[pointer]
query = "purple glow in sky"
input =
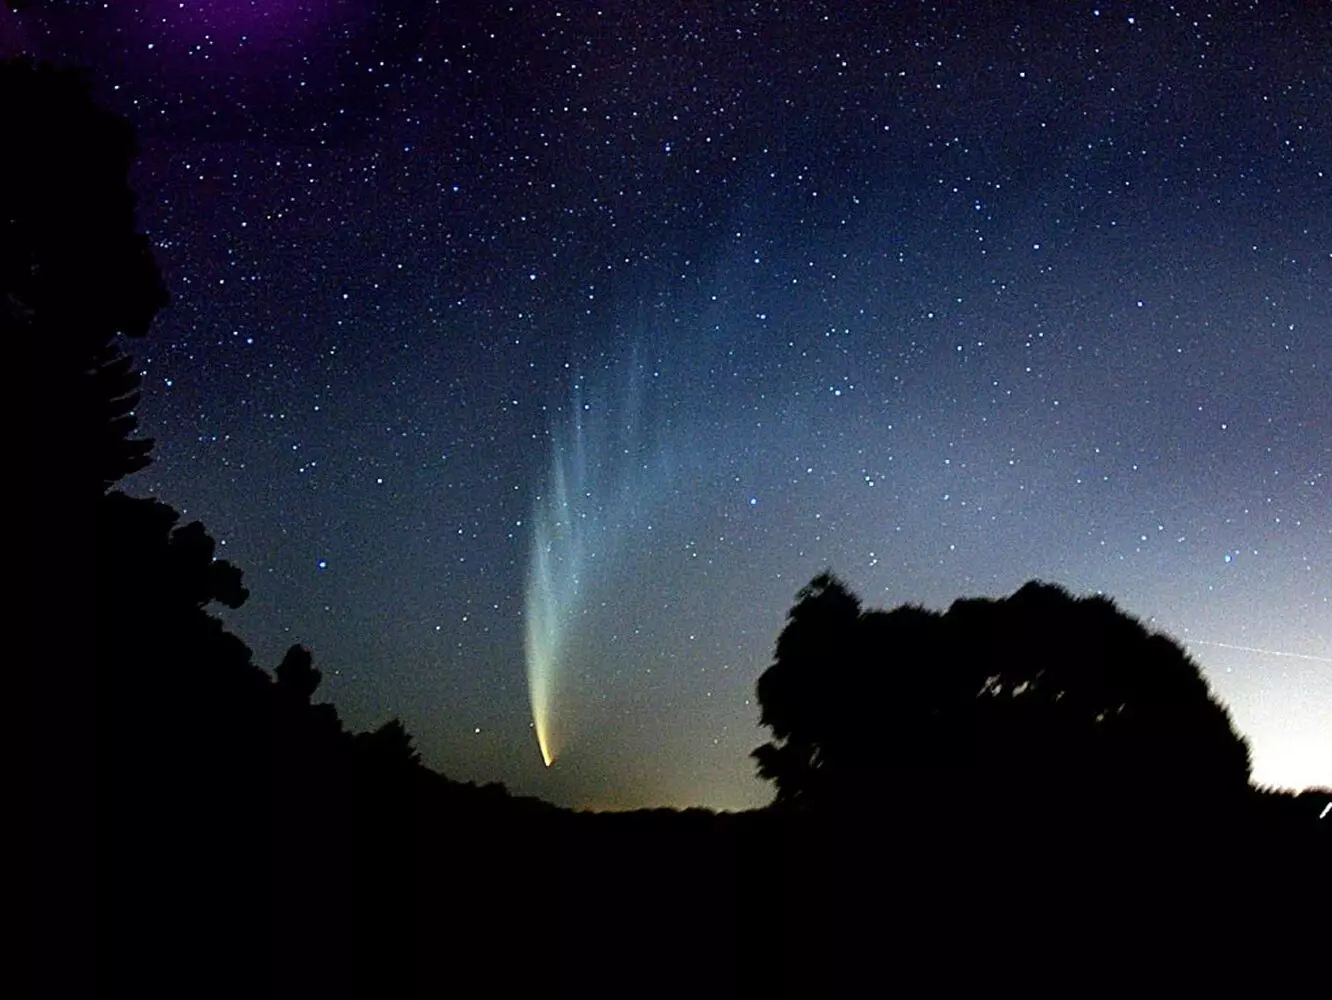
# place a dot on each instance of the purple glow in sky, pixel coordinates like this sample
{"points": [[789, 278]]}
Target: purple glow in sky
{"points": [[266, 24]]}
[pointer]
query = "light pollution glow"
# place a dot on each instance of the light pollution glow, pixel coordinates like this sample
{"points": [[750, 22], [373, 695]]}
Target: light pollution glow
{"points": [[601, 478]]}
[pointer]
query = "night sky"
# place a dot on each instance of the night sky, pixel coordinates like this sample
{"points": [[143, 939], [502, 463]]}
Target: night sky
{"points": [[627, 319]]}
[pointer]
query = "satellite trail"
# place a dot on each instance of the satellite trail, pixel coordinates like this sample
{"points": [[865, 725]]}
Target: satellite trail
{"points": [[1264, 652]]}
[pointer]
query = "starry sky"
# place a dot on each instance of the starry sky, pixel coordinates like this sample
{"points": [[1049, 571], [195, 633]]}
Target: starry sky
{"points": [[702, 299]]}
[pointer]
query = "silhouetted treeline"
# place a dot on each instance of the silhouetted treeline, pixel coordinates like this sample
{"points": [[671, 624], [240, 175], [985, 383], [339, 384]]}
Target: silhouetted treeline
{"points": [[217, 782], [1033, 794], [194, 819]]}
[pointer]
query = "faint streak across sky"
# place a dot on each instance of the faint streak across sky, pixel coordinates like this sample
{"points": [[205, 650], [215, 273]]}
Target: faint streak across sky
{"points": [[1264, 652]]}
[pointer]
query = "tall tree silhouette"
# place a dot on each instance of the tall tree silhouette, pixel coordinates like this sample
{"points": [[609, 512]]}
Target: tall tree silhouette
{"points": [[1037, 692], [75, 273], [74, 276]]}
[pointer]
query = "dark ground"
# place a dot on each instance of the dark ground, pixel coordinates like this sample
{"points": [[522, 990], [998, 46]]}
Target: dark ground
{"points": [[422, 887]]}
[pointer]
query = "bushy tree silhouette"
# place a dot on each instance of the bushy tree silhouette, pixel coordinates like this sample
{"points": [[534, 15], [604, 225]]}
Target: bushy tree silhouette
{"points": [[1038, 789], [1035, 694], [296, 674], [390, 745], [799, 694]]}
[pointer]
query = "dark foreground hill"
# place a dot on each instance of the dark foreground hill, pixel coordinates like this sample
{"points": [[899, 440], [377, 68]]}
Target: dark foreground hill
{"points": [[248, 844], [412, 885]]}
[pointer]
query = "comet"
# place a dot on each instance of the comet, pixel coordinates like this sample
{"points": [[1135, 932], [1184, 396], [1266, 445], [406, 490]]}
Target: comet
{"points": [[605, 473], [553, 577], [538, 675], [554, 581]]}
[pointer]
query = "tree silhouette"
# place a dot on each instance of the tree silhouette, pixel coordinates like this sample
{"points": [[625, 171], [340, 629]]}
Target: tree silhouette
{"points": [[1031, 694], [297, 675], [389, 746], [75, 274], [178, 762], [798, 694]]}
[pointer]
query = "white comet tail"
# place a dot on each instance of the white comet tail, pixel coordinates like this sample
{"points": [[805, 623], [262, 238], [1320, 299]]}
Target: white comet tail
{"points": [[602, 477]]}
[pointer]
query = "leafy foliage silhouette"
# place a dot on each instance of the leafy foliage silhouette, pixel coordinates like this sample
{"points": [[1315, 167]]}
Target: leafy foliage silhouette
{"points": [[1036, 694]]}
